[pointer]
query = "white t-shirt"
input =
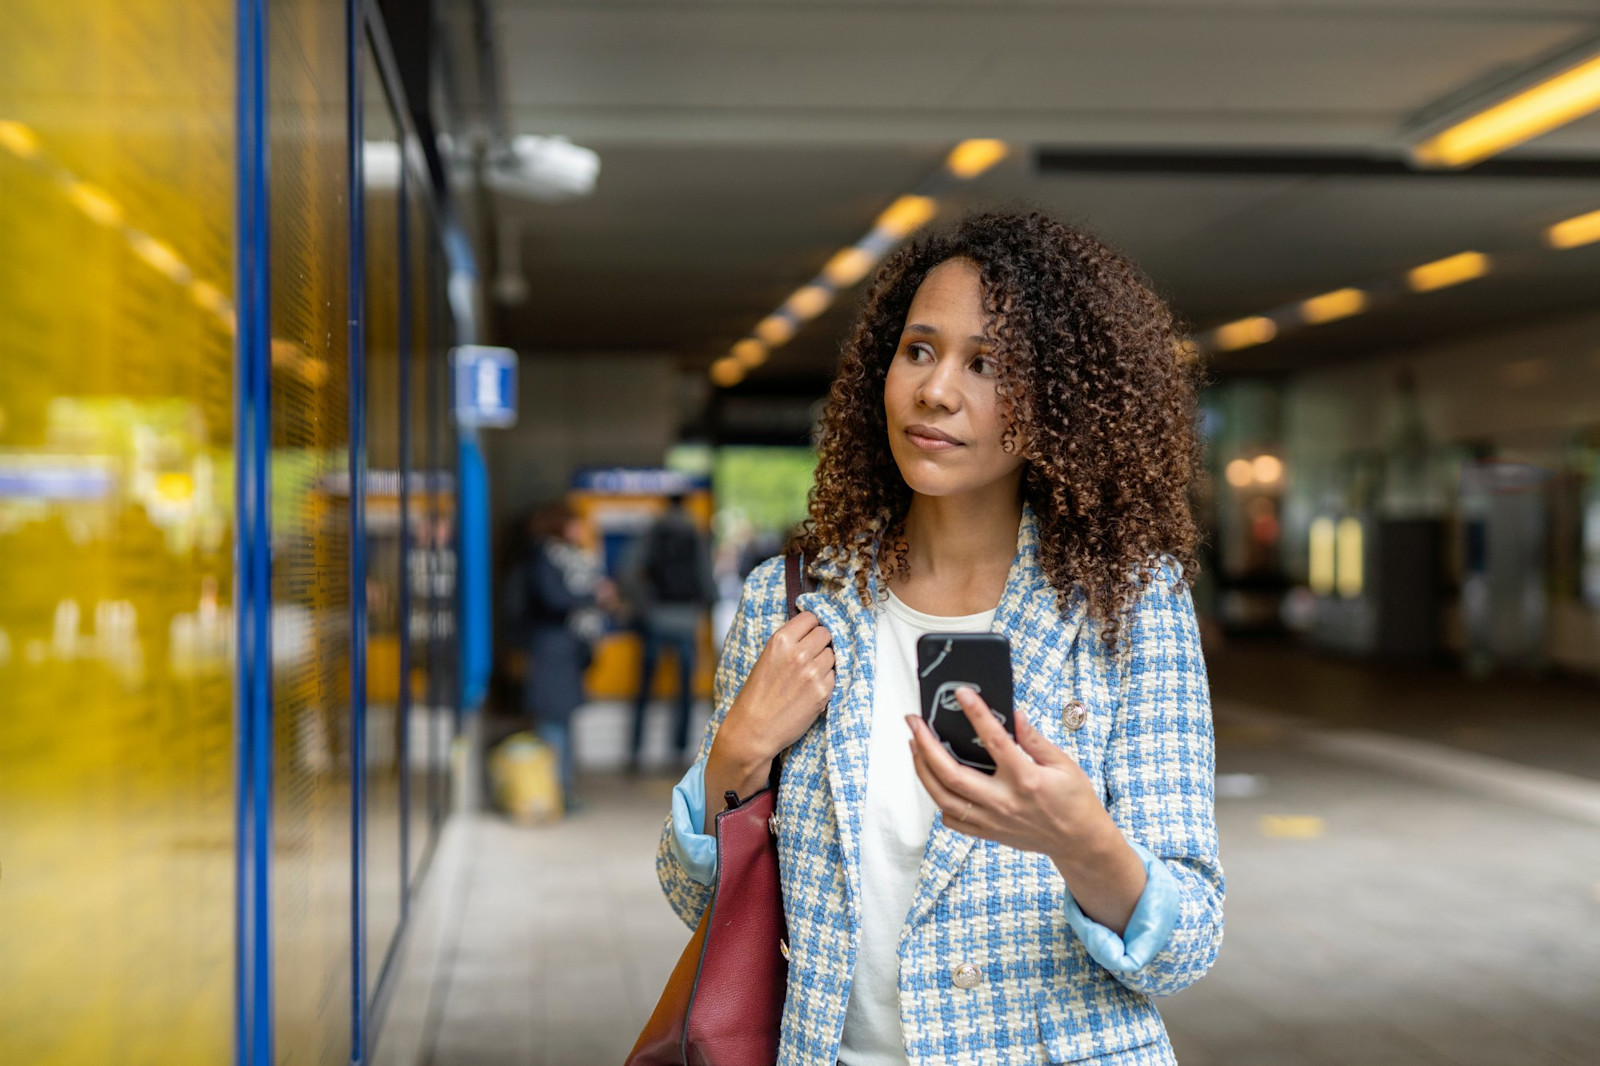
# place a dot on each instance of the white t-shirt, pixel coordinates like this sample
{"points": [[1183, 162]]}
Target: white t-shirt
{"points": [[895, 823]]}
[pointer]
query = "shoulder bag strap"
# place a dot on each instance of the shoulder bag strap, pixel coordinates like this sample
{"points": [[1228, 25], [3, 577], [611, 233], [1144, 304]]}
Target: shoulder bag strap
{"points": [[796, 582]]}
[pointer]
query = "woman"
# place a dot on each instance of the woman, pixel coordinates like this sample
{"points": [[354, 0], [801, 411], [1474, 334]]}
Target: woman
{"points": [[556, 598], [1007, 447]]}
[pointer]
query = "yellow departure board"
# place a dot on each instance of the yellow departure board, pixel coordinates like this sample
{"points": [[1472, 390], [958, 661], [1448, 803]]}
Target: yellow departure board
{"points": [[308, 144], [116, 538]]}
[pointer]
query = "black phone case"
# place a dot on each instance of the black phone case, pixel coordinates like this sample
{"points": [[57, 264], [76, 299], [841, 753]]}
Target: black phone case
{"points": [[981, 661]]}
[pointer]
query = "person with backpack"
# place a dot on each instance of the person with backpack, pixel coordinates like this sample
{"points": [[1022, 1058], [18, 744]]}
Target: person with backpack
{"points": [[672, 588]]}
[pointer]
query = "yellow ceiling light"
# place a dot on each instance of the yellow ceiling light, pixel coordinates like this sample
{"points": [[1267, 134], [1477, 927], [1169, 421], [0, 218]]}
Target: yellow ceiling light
{"points": [[1239, 473], [1245, 333], [971, 158], [906, 215], [808, 302], [726, 372], [775, 330], [1538, 109], [18, 139], [750, 353], [95, 202], [848, 266], [1451, 270], [1330, 306], [1583, 229], [1267, 469]]}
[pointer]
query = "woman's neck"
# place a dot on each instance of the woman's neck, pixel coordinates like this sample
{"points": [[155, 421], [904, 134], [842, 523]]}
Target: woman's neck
{"points": [[958, 551]]}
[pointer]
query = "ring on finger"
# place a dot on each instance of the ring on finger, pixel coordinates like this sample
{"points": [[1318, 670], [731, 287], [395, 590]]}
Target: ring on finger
{"points": [[966, 815]]}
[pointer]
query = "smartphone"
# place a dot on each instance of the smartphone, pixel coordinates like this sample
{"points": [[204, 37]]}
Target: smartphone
{"points": [[979, 661]]}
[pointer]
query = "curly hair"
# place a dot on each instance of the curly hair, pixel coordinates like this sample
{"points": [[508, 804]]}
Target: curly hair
{"points": [[1098, 399]]}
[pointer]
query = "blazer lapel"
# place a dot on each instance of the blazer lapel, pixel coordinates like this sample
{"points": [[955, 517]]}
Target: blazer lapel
{"points": [[849, 718]]}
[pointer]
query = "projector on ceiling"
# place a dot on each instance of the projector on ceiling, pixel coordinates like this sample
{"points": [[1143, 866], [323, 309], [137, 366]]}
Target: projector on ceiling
{"points": [[542, 168]]}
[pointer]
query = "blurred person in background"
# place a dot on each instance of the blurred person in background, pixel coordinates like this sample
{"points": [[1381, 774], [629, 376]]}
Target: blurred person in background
{"points": [[1008, 447], [670, 588], [556, 601]]}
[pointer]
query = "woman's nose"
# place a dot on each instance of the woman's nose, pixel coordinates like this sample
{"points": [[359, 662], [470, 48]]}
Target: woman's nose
{"points": [[939, 387]]}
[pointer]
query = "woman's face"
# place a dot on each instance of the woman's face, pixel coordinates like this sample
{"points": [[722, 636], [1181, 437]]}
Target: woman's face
{"points": [[945, 420]]}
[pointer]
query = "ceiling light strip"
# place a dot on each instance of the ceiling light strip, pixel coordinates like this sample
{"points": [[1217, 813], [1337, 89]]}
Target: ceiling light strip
{"points": [[846, 267], [1579, 230], [1563, 96], [1344, 303], [1451, 270]]}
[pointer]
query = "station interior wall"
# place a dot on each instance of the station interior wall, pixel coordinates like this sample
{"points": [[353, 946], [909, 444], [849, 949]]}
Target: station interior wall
{"points": [[1528, 394], [576, 411]]}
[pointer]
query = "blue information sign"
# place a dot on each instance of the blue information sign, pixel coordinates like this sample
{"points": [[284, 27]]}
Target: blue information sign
{"points": [[486, 386]]}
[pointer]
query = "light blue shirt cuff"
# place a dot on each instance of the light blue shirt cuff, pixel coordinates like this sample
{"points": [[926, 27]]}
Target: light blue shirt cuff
{"points": [[695, 850], [1148, 930]]}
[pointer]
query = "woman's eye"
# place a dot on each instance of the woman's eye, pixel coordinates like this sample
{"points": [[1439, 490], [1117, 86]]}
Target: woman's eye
{"points": [[985, 365], [917, 352]]}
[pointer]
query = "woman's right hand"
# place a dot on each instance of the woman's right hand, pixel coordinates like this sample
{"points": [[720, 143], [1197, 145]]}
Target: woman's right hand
{"points": [[787, 689]]}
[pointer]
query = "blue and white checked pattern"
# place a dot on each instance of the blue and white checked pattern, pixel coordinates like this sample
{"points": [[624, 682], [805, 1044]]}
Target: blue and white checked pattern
{"points": [[1147, 746]]}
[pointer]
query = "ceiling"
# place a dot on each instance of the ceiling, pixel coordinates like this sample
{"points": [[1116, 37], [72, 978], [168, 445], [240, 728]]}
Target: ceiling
{"points": [[742, 142]]}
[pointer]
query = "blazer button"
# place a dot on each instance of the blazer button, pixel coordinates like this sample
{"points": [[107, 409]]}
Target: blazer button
{"points": [[965, 976], [1074, 714]]}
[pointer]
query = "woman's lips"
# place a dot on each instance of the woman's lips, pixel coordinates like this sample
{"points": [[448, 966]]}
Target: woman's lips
{"points": [[929, 439]]}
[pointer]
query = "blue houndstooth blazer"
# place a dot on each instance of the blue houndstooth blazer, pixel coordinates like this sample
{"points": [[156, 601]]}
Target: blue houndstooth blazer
{"points": [[1147, 745]]}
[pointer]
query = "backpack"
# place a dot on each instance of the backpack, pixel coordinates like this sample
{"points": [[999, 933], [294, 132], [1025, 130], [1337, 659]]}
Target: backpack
{"points": [[672, 564]]}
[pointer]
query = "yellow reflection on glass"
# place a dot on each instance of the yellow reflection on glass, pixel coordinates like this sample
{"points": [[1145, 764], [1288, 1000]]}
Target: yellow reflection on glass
{"points": [[116, 535], [18, 139], [95, 202]]}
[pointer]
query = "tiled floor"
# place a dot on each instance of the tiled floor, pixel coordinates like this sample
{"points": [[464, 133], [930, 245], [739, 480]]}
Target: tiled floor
{"points": [[1373, 918], [566, 941], [1550, 721]]}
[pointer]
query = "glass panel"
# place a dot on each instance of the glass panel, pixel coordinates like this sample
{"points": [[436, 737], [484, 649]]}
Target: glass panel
{"points": [[116, 531], [385, 563], [441, 426], [418, 557], [310, 529]]}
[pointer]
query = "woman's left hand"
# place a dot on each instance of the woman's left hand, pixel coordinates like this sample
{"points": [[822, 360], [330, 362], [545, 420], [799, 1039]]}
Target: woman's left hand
{"points": [[1038, 799]]}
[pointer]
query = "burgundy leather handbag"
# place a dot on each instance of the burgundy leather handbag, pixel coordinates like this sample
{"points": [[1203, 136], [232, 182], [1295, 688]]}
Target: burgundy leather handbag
{"points": [[724, 1001]]}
